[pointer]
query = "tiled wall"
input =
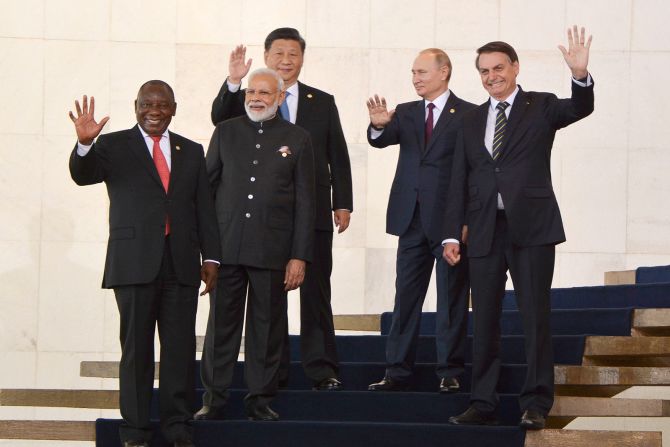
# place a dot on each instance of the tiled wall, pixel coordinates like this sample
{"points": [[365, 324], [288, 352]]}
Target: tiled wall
{"points": [[609, 170]]}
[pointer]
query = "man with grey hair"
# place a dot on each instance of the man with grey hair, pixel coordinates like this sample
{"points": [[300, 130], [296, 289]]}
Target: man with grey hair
{"points": [[261, 170]]}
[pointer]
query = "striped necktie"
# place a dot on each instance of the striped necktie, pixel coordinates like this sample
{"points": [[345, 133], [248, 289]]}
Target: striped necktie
{"points": [[501, 122]]}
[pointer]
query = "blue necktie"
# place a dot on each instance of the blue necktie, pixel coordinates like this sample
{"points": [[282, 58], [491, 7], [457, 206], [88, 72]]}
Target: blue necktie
{"points": [[283, 109]]}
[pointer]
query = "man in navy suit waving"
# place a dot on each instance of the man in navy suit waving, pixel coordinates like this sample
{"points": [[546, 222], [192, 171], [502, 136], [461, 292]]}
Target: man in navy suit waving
{"points": [[426, 131], [502, 190]]}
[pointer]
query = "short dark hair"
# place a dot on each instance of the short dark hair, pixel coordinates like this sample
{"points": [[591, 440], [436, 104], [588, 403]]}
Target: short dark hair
{"points": [[497, 47], [284, 33], [157, 82]]}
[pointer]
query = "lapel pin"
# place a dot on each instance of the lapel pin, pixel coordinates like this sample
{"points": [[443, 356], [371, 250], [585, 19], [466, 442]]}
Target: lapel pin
{"points": [[309, 95], [284, 154], [177, 148], [452, 110]]}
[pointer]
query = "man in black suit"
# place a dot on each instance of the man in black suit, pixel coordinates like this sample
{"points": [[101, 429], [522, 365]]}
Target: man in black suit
{"points": [[262, 171], [161, 221], [316, 112], [501, 189], [426, 131]]}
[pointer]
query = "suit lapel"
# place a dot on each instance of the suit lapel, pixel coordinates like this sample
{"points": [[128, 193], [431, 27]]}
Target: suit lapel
{"points": [[519, 108], [419, 117], [139, 148], [443, 122], [175, 164], [305, 103], [481, 116]]}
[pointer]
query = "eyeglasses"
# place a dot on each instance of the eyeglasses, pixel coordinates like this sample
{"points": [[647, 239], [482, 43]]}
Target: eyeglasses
{"points": [[262, 93]]}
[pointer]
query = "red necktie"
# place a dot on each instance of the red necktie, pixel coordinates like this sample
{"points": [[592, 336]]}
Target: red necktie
{"points": [[163, 171], [429, 122]]}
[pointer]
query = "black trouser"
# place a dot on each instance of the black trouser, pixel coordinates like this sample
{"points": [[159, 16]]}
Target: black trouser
{"points": [[531, 269], [317, 333], [414, 264], [173, 306], [264, 335]]}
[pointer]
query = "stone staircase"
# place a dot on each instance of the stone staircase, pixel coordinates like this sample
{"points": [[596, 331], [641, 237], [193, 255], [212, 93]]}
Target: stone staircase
{"points": [[610, 365]]}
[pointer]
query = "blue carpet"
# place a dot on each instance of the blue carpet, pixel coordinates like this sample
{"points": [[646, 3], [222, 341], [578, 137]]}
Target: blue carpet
{"points": [[601, 297], [356, 376], [356, 417], [609, 321], [648, 275], [330, 434], [355, 406], [568, 349]]}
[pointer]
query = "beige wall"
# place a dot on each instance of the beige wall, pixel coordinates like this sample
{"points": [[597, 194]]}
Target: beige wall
{"points": [[610, 171]]}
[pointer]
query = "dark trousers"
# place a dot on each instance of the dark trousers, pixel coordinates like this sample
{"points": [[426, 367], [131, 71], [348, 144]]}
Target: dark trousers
{"points": [[317, 333], [414, 264], [264, 334], [531, 269], [173, 306]]}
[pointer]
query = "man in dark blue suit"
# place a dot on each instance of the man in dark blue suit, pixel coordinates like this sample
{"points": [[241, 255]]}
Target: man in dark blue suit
{"points": [[426, 131], [501, 189]]}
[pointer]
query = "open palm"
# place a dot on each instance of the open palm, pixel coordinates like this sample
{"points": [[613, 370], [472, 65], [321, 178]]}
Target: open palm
{"points": [[84, 123]]}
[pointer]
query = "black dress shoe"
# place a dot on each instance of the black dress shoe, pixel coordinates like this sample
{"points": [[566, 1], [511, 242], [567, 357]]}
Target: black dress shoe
{"points": [[472, 416], [450, 385], [328, 384], [532, 420], [135, 444], [263, 413], [207, 413], [388, 384]]}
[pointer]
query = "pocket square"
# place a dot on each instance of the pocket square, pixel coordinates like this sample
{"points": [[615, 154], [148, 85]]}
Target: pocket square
{"points": [[284, 151]]}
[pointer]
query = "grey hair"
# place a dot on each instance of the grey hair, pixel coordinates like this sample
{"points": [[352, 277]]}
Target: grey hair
{"points": [[268, 71]]}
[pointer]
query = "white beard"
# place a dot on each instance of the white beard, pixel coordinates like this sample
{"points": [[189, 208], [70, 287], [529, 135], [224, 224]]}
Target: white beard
{"points": [[264, 115]]}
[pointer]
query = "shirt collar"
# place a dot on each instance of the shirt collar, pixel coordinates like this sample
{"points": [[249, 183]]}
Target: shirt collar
{"points": [[293, 90], [509, 100], [146, 135], [440, 101]]}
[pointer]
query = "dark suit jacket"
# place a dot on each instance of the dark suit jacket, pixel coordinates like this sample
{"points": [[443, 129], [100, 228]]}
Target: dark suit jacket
{"points": [[264, 200], [138, 205], [522, 173], [422, 174], [317, 113]]}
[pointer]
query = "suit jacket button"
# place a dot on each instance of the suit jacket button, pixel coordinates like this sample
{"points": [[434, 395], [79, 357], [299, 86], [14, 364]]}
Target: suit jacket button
{"points": [[497, 169], [255, 162]]}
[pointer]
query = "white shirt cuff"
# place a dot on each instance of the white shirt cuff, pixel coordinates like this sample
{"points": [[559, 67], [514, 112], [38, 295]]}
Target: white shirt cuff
{"points": [[83, 149], [374, 133], [450, 241], [232, 88], [588, 82]]}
